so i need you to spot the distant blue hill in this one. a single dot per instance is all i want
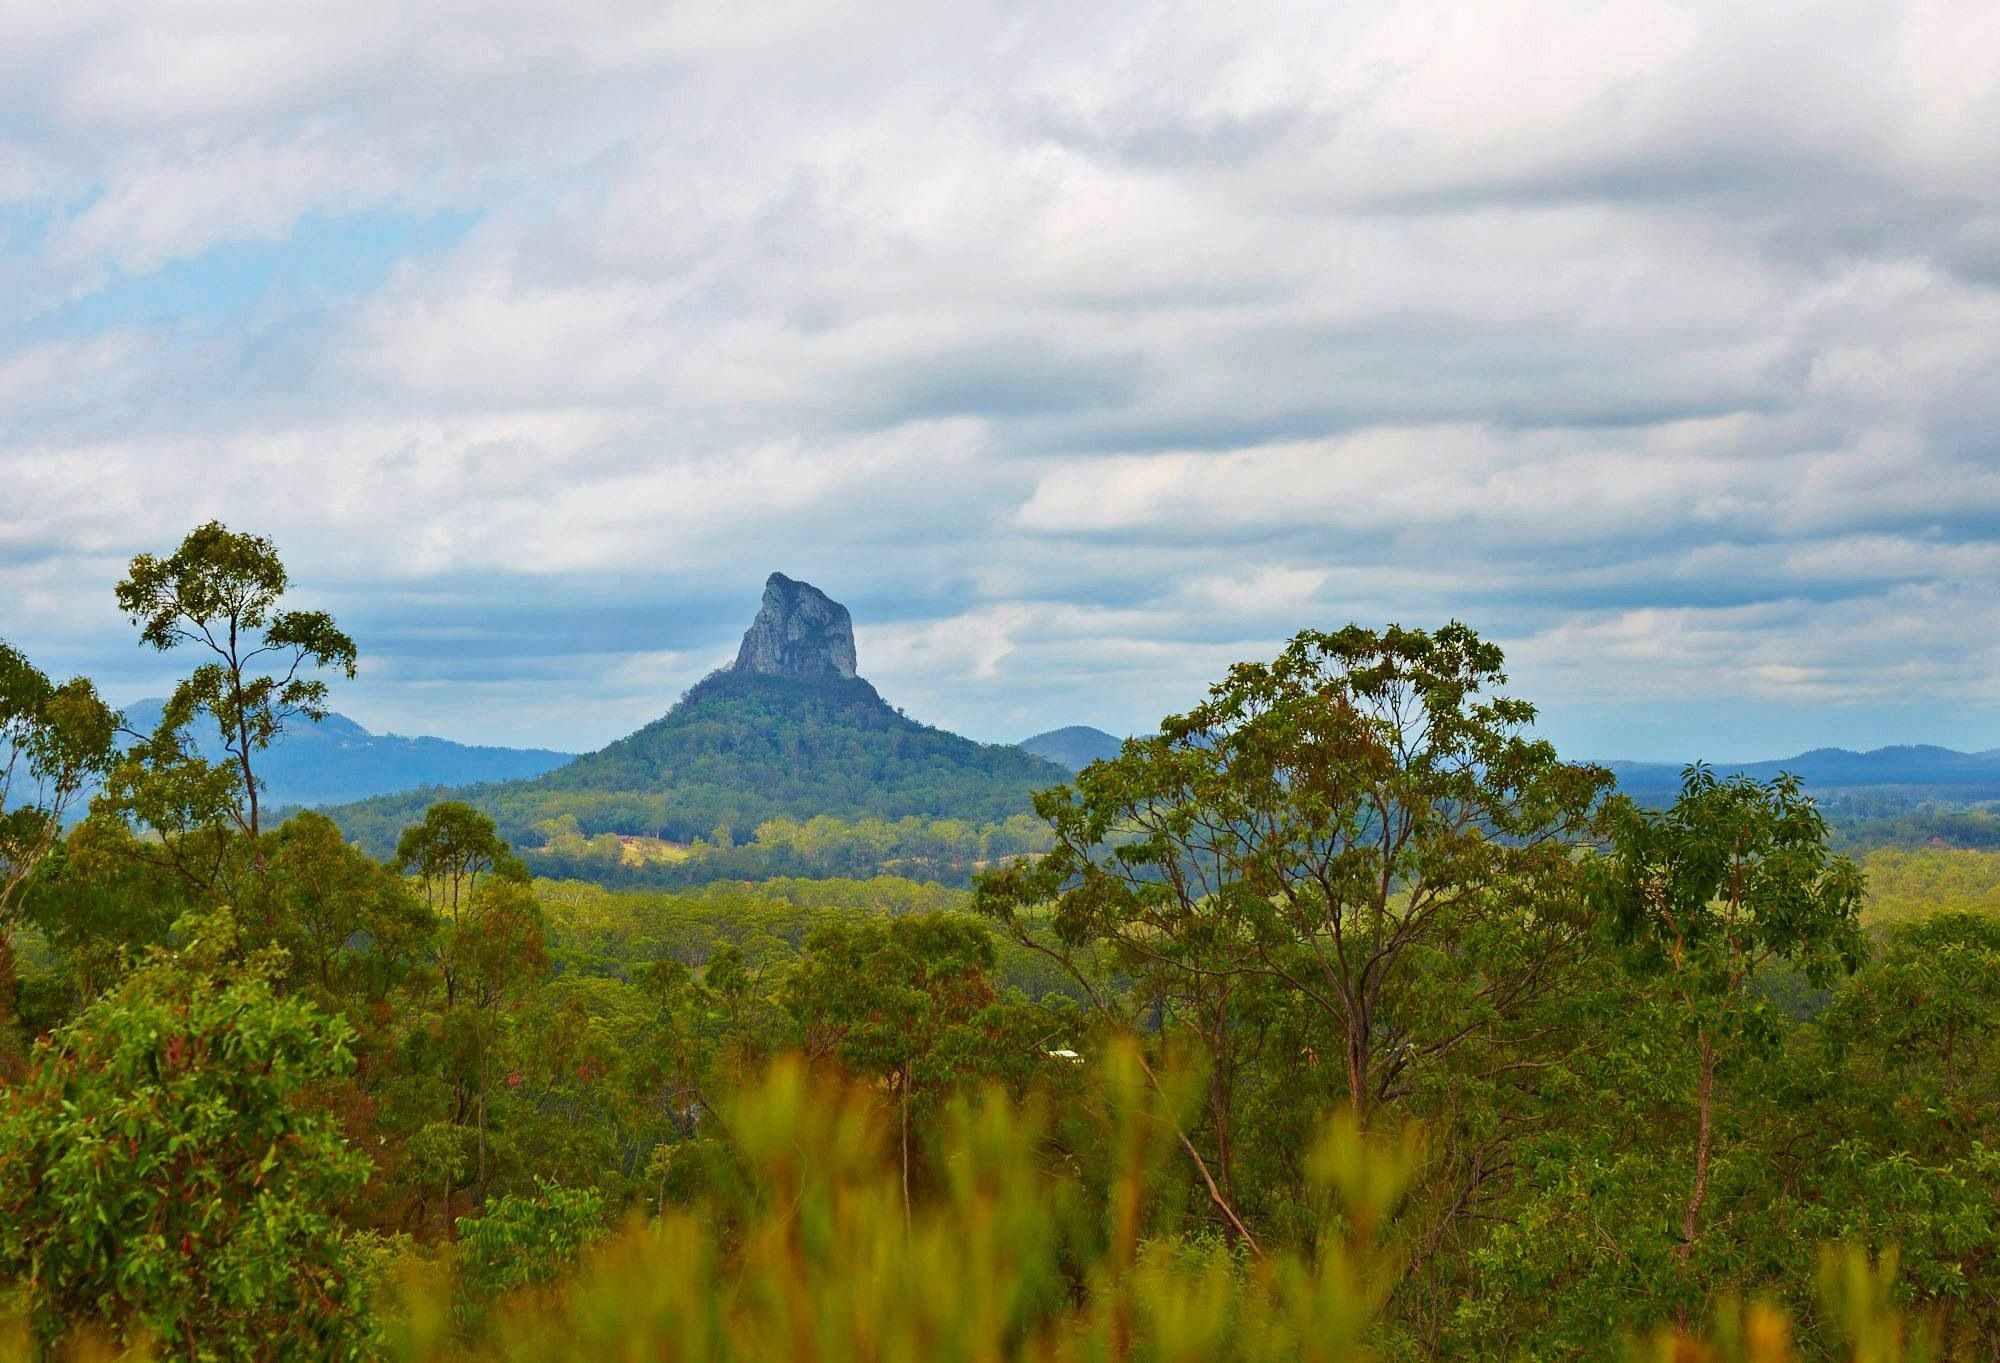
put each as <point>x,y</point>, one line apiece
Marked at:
<point>1922,771</point>
<point>1916,769</point>
<point>337,760</point>
<point>1075,747</point>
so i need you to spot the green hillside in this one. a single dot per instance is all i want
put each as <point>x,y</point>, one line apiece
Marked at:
<point>742,748</point>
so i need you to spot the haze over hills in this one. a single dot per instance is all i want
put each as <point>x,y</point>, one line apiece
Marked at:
<point>338,760</point>
<point>789,730</point>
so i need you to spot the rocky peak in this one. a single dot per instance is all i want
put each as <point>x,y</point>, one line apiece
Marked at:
<point>799,632</point>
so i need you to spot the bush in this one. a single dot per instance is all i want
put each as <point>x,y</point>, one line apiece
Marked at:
<point>158,1175</point>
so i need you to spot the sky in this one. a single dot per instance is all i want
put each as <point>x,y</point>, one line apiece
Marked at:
<point>1081,350</point>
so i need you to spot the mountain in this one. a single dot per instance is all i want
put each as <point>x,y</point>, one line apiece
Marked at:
<point>790,729</point>
<point>800,633</point>
<point>1919,769</point>
<point>338,760</point>
<point>1075,747</point>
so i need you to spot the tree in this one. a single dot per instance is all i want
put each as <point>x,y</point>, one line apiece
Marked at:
<point>220,592</point>
<point>160,1172</point>
<point>448,853</point>
<point>526,1241</point>
<point>54,739</point>
<point>1929,1006</point>
<point>1900,1138</point>
<point>1736,875</point>
<point>488,944</point>
<point>325,895</point>
<point>100,904</point>
<point>1357,827</point>
<point>909,1002</point>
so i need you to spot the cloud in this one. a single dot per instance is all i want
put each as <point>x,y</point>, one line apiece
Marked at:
<point>1079,352</point>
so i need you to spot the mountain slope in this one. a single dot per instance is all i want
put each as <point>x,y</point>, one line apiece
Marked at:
<point>742,748</point>
<point>753,742</point>
<point>1074,747</point>
<point>789,730</point>
<point>338,760</point>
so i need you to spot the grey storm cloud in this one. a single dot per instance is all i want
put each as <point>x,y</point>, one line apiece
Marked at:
<point>1080,350</point>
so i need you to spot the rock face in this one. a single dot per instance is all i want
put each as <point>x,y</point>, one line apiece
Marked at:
<point>799,632</point>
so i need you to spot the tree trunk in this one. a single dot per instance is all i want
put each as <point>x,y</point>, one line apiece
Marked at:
<point>12,1064</point>
<point>904,1085</point>
<point>249,781</point>
<point>1704,1133</point>
<point>482,1125</point>
<point>1357,1062</point>
<point>243,739</point>
<point>1218,1112</point>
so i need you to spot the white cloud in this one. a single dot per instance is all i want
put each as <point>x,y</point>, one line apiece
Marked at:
<point>1083,351</point>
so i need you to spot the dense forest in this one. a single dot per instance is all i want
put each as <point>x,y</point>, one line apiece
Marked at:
<point>1339,1018</point>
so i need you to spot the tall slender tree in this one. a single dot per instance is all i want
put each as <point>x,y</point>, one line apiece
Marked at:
<point>220,593</point>
<point>487,944</point>
<point>54,740</point>
<point>1735,876</point>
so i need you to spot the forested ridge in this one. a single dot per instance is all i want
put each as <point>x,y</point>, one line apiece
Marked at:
<point>1340,1017</point>
<point>738,751</point>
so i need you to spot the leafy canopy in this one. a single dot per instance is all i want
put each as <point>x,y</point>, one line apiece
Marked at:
<point>159,1172</point>
<point>219,593</point>
<point>54,739</point>
<point>1326,821</point>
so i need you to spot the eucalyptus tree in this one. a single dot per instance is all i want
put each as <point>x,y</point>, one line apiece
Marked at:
<point>1927,1011</point>
<point>55,738</point>
<point>220,594</point>
<point>1735,877</point>
<point>910,1003</point>
<point>1361,831</point>
<point>327,896</point>
<point>449,854</point>
<point>1907,1116</point>
<point>486,941</point>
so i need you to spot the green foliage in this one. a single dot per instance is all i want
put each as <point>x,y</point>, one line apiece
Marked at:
<point>100,902</point>
<point>1864,822</point>
<point>201,820</point>
<point>613,932</point>
<point>1930,1005</point>
<point>527,1241</point>
<point>1909,884</point>
<point>951,851</point>
<point>398,1105</point>
<point>159,1172</point>
<point>324,895</point>
<point>1347,877</point>
<point>54,739</point>
<point>1736,874</point>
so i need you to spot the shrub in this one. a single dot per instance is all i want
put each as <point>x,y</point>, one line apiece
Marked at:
<point>159,1176</point>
